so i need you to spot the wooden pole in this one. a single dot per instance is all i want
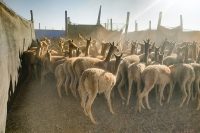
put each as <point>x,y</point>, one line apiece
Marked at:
<point>39,26</point>
<point>99,16</point>
<point>136,26</point>
<point>159,20</point>
<point>111,24</point>
<point>127,22</point>
<point>107,23</point>
<point>66,24</point>
<point>31,15</point>
<point>181,22</point>
<point>150,25</point>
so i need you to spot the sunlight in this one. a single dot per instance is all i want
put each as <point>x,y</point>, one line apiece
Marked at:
<point>182,4</point>
<point>152,5</point>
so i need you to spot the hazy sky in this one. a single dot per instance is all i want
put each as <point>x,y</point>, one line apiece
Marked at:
<point>50,13</point>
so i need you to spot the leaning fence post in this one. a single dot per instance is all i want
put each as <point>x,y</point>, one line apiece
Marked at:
<point>31,15</point>
<point>127,22</point>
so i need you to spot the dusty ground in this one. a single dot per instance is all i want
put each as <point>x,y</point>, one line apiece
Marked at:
<point>39,110</point>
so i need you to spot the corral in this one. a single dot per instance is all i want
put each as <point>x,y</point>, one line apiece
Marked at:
<point>54,80</point>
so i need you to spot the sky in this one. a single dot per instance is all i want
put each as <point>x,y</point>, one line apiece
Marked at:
<point>50,13</point>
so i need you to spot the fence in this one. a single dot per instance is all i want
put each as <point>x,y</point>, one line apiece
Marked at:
<point>16,36</point>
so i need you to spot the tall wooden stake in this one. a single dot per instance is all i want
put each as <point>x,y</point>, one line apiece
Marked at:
<point>150,25</point>
<point>111,25</point>
<point>66,24</point>
<point>136,26</point>
<point>99,16</point>
<point>31,15</point>
<point>159,20</point>
<point>181,22</point>
<point>127,22</point>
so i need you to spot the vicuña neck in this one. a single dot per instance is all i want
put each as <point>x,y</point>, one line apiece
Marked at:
<point>108,57</point>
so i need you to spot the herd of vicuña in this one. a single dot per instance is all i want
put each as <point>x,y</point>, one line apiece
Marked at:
<point>87,67</point>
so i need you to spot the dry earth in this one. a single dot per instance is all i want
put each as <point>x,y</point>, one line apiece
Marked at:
<point>39,110</point>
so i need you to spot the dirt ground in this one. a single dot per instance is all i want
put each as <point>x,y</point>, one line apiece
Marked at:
<point>40,110</point>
